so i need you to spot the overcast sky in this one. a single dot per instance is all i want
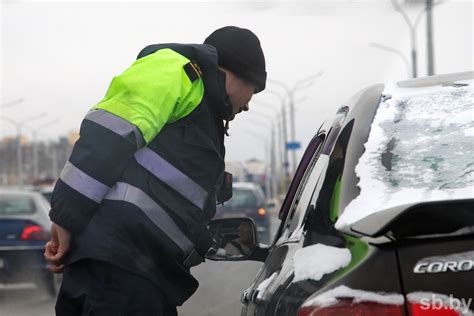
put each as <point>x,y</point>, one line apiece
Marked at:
<point>60,56</point>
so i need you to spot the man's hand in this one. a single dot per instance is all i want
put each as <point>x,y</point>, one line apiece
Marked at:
<point>56,249</point>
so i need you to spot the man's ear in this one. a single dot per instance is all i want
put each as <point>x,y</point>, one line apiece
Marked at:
<point>225,110</point>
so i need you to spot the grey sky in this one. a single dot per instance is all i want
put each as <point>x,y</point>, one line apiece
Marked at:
<point>61,56</point>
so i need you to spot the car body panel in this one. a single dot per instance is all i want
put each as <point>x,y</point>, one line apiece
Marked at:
<point>442,279</point>
<point>383,255</point>
<point>419,219</point>
<point>279,259</point>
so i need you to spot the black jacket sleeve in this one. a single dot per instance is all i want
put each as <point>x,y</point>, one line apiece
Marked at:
<point>106,144</point>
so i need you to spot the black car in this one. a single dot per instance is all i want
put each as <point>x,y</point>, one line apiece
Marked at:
<point>379,218</point>
<point>248,200</point>
<point>24,230</point>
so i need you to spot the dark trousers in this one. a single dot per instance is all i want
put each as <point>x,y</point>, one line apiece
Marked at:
<point>92,287</point>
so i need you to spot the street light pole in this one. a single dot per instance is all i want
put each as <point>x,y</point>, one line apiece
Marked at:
<point>395,51</point>
<point>293,129</point>
<point>268,187</point>
<point>11,103</point>
<point>34,132</point>
<point>270,158</point>
<point>304,83</point>
<point>279,134</point>
<point>281,153</point>
<point>429,32</point>
<point>19,151</point>
<point>274,173</point>
<point>284,130</point>
<point>429,37</point>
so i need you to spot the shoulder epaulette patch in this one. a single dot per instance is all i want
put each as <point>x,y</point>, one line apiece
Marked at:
<point>193,71</point>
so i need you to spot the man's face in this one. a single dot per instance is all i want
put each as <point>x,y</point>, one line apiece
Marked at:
<point>240,92</point>
<point>245,234</point>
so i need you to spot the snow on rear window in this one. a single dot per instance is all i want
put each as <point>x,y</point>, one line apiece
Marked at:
<point>420,148</point>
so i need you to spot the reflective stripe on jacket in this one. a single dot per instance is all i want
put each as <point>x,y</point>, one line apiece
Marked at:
<point>139,187</point>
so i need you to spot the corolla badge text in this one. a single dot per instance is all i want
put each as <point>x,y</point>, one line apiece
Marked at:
<point>461,262</point>
<point>438,267</point>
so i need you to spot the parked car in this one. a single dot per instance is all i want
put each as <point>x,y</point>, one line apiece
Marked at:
<point>24,230</point>
<point>248,200</point>
<point>46,191</point>
<point>379,218</point>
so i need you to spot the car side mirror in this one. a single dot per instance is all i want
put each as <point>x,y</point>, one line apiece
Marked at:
<point>236,239</point>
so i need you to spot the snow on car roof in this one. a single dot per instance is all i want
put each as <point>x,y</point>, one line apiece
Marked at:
<point>420,148</point>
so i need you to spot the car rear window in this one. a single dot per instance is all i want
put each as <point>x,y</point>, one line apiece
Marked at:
<point>242,198</point>
<point>11,204</point>
<point>419,149</point>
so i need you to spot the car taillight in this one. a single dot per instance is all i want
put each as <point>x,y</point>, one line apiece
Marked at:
<point>34,232</point>
<point>431,310</point>
<point>347,307</point>
<point>262,211</point>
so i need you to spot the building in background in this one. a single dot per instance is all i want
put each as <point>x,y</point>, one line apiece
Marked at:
<point>252,170</point>
<point>49,157</point>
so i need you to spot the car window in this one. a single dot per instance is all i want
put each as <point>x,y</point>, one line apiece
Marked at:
<point>302,199</point>
<point>11,204</point>
<point>300,176</point>
<point>328,199</point>
<point>419,150</point>
<point>293,223</point>
<point>243,198</point>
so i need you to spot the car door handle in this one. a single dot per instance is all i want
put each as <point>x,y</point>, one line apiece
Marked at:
<point>250,296</point>
<point>244,297</point>
<point>254,297</point>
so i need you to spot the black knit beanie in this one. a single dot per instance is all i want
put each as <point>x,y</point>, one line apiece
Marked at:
<point>239,51</point>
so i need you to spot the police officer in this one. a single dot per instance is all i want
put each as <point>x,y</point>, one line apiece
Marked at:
<point>131,206</point>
